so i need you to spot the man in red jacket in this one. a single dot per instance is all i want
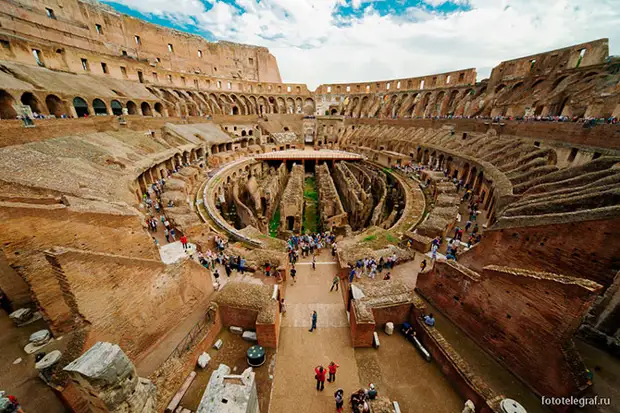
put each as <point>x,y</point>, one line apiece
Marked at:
<point>184,241</point>
<point>320,377</point>
<point>332,371</point>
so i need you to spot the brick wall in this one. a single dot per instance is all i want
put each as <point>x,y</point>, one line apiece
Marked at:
<point>240,317</point>
<point>397,314</point>
<point>527,323</point>
<point>361,333</point>
<point>269,334</point>
<point>555,248</point>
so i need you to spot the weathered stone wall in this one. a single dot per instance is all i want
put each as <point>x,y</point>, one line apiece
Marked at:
<point>12,285</point>
<point>292,203</point>
<point>356,201</point>
<point>126,300</point>
<point>332,212</point>
<point>525,319</point>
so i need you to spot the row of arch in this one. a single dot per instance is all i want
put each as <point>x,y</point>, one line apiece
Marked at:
<point>197,103</point>
<point>181,103</point>
<point>76,107</point>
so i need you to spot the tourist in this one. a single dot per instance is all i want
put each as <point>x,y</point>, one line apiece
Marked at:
<point>267,269</point>
<point>335,282</point>
<point>173,234</point>
<point>293,273</point>
<point>371,392</point>
<point>314,317</point>
<point>241,265</point>
<point>156,242</point>
<point>216,275</point>
<point>184,241</point>
<point>320,377</point>
<point>423,265</point>
<point>334,249</point>
<point>339,396</point>
<point>429,320</point>
<point>282,306</point>
<point>314,262</point>
<point>352,274</point>
<point>228,268</point>
<point>332,371</point>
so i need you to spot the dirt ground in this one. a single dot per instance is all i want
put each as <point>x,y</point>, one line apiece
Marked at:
<point>233,354</point>
<point>22,380</point>
<point>606,370</point>
<point>400,373</point>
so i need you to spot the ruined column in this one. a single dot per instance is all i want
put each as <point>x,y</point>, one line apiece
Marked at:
<point>108,380</point>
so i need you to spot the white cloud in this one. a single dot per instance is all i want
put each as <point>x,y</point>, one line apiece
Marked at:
<point>313,47</point>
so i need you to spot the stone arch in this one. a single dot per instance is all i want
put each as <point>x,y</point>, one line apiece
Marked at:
<point>438,109</point>
<point>171,109</point>
<point>272,104</point>
<point>99,107</point>
<point>298,105</point>
<point>146,109</point>
<point>7,105</point>
<point>499,87</point>
<point>55,106</point>
<point>235,110</point>
<point>333,112</point>
<point>214,149</point>
<point>290,105</point>
<point>452,100</point>
<point>81,107</point>
<point>425,100</point>
<point>159,109</point>
<point>281,104</point>
<point>29,99</point>
<point>309,107</point>
<point>263,107</point>
<point>132,108</point>
<point>557,82</point>
<point>117,108</point>
<point>536,83</point>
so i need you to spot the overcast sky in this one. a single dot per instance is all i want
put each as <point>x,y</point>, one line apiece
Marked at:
<point>334,41</point>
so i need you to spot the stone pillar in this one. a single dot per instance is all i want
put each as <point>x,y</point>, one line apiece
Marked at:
<point>108,380</point>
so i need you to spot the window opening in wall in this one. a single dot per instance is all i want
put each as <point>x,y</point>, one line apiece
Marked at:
<point>279,89</point>
<point>582,52</point>
<point>464,135</point>
<point>251,88</point>
<point>98,29</point>
<point>124,71</point>
<point>183,80</point>
<point>169,78</point>
<point>422,84</point>
<point>532,63</point>
<point>398,85</point>
<point>196,83</point>
<point>251,60</point>
<point>104,67</point>
<point>154,76</point>
<point>124,52</point>
<point>596,155</point>
<point>5,44</point>
<point>50,13</point>
<point>219,84</point>
<point>170,48</point>
<point>228,85</point>
<point>214,69</point>
<point>448,79</point>
<point>537,144</point>
<point>348,88</point>
<point>298,89</point>
<point>573,154</point>
<point>461,77</point>
<point>85,64</point>
<point>137,39</point>
<point>199,53</point>
<point>367,88</point>
<point>387,85</point>
<point>434,82</point>
<point>140,76</point>
<point>329,89</point>
<point>37,57</point>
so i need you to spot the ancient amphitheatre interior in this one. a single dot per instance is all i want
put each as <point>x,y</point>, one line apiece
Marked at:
<point>109,123</point>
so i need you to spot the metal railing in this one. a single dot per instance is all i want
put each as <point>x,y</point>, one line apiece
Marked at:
<point>197,332</point>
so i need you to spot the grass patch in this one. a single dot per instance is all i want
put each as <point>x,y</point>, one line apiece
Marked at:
<point>369,238</point>
<point>391,238</point>
<point>274,224</point>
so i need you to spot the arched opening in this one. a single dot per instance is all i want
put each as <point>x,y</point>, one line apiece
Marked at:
<point>81,107</point>
<point>243,133</point>
<point>333,112</point>
<point>557,82</point>
<point>55,106</point>
<point>146,109</point>
<point>132,108</point>
<point>29,100</point>
<point>7,111</point>
<point>117,108</point>
<point>99,107</point>
<point>499,87</point>
<point>309,107</point>
<point>235,110</point>
<point>290,222</point>
<point>159,109</point>
<point>251,141</point>
<point>214,149</point>
<point>250,132</point>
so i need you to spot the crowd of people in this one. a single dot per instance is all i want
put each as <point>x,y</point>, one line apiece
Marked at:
<point>369,266</point>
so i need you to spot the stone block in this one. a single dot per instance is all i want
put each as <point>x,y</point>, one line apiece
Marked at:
<point>204,360</point>
<point>389,328</point>
<point>218,344</point>
<point>40,337</point>
<point>236,330</point>
<point>21,316</point>
<point>249,336</point>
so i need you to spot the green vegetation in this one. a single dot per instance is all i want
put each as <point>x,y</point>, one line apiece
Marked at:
<point>391,238</point>
<point>311,201</point>
<point>274,224</point>
<point>369,238</point>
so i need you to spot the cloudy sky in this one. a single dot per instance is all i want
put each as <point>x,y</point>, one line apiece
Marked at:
<point>330,41</point>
